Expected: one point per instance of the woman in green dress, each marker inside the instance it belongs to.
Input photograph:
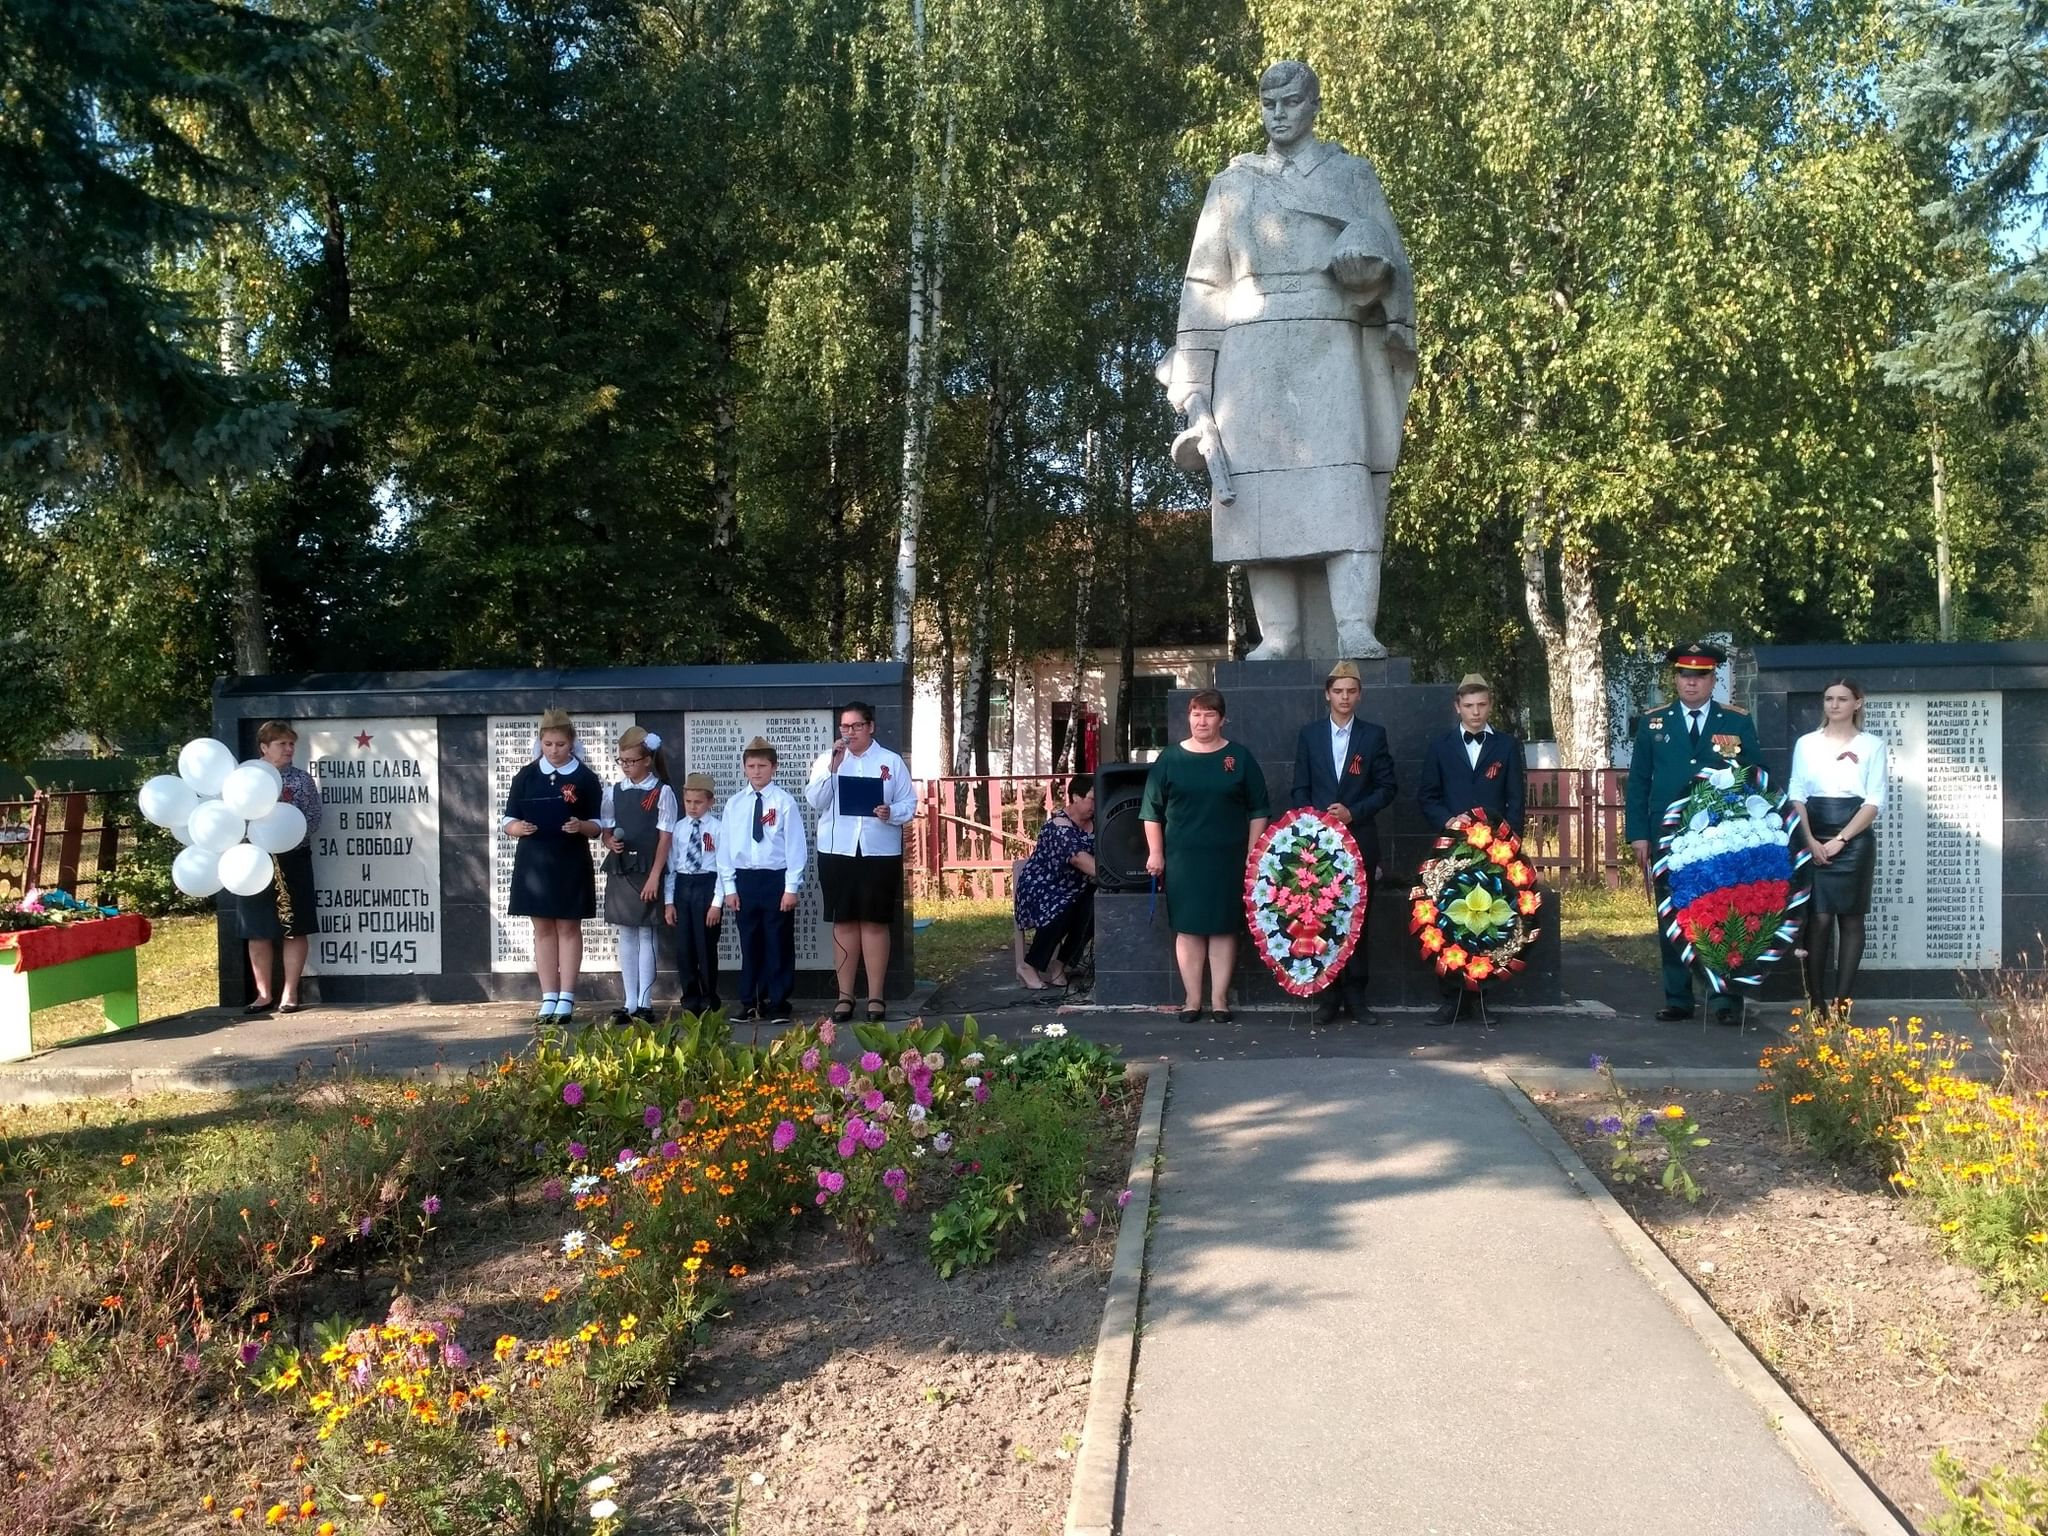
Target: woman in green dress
(1205, 802)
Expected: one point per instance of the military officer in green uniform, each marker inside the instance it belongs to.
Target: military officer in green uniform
(1673, 742)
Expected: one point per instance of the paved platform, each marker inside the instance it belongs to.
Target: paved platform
(216, 1048)
(1375, 1304)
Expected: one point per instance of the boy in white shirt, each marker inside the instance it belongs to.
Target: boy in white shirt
(761, 854)
(693, 890)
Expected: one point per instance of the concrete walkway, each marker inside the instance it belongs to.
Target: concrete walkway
(1375, 1304)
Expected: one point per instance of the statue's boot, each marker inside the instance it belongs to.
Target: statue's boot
(1276, 600)
(1355, 600)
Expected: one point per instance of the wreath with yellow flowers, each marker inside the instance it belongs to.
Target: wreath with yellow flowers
(1473, 907)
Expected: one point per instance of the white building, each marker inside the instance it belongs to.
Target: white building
(1032, 707)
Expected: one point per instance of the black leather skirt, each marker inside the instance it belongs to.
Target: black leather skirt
(1842, 884)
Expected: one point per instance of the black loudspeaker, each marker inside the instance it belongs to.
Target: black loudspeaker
(1119, 834)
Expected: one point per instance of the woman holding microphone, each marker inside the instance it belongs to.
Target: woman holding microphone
(864, 800)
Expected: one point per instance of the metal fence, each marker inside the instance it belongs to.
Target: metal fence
(62, 841)
(971, 831)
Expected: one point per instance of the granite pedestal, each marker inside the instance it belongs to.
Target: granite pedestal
(1269, 702)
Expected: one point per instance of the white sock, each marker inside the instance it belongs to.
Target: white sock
(547, 1001)
(632, 943)
(650, 956)
(565, 1004)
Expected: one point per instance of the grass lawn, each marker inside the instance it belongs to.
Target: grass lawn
(176, 969)
(1622, 922)
(963, 930)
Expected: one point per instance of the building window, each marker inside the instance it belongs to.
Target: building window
(1148, 713)
(999, 724)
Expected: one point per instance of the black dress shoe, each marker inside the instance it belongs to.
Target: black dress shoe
(1446, 1013)
(1325, 1012)
(1728, 1018)
(1364, 1015)
(1673, 1015)
(1222, 1015)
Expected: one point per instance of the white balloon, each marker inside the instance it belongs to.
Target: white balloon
(167, 800)
(196, 872)
(250, 791)
(268, 767)
(280, 830)
(215, 828)
(205, 764)
(183, 833)
(245, 869)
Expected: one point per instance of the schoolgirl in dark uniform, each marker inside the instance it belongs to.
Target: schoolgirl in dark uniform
(552, 809)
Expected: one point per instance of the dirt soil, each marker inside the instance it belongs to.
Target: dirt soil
(879, 1398)
(1835, 1284)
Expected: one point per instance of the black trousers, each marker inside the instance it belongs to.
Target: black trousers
(696, 943)
(1069, 933)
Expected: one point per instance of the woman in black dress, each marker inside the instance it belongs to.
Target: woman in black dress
(552, 809)
(282, 913)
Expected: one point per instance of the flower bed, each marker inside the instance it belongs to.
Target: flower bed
(671, 1160)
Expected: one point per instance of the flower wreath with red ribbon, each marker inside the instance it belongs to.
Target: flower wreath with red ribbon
(1304, 900)
(1473, 907)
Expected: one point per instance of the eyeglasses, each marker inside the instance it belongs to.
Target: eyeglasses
(630, 759)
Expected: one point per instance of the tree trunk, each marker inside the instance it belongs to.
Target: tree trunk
(1075, 758)
(725, 523)
(1126, 616)
(1944, 610)
(949, 717)
(835, 518)
(251, 628)
(1572, 649)
(920, 377)
(973, 746)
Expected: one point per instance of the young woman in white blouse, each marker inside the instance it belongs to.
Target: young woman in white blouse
(1838, 785)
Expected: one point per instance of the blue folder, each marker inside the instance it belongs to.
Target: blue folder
(860, 796)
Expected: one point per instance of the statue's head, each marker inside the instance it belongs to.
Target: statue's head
(1289, 94)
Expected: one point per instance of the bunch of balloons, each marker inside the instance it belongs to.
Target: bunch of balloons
(212, 805)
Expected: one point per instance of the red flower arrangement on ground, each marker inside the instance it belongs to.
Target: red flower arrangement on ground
(1304, 900)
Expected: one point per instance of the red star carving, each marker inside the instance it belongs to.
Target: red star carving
(362, 738)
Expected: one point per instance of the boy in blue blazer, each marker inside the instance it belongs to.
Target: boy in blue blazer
(1472, 767)
(1342, 767)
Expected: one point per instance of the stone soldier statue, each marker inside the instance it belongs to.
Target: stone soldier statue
(1293, 361)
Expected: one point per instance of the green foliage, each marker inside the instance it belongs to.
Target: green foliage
(1631, 1128)
(351, 335)
(129, 128)
(618, 1076)
(920, 1037)
(2001, 1502)
(968, 1230)
(140, 880)
(1083, 1069)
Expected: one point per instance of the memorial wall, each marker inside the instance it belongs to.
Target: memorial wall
(1962, 864)
(410, 870)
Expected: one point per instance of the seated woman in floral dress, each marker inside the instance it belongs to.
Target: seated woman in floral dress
(1056, 889)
